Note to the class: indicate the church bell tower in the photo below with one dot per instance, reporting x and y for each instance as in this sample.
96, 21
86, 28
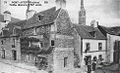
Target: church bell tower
82, 14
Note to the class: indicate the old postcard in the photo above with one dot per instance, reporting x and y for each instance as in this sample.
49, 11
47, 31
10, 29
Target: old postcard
59, 36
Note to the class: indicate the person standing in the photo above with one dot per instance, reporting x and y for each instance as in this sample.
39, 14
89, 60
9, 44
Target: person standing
89, 66
93, 65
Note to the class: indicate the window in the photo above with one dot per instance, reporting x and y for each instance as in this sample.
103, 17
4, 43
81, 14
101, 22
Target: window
87, 47
52, 42
92, 33
2, 42
40, 17
14, 54
100, 58
14, 41
65, 61
99, 46
41, 44
3, 53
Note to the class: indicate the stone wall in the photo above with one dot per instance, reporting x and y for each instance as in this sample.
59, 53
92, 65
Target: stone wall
78, 48
64, 43
59, 55
7, 46
63, 23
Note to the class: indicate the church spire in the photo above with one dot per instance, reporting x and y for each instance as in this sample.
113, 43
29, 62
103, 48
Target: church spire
28, 8
82, 4
82, 14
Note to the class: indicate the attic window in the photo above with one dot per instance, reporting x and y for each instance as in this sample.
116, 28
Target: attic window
40, 17
92, 33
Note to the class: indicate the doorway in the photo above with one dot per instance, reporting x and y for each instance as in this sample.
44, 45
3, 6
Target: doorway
14, 54
87, 59
3, 53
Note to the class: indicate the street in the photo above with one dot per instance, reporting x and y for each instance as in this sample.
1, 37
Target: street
9, 68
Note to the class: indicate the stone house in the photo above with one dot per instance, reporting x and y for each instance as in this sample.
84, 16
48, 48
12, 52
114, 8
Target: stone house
52, 29
10, 43
45, 40
90, 44
6, 42
113, 43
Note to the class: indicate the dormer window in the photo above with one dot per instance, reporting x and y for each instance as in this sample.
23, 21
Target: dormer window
92, 33
40, 17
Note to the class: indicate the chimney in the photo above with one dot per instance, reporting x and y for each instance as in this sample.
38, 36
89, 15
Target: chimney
7, 16
94, 23
60, 4
97, 23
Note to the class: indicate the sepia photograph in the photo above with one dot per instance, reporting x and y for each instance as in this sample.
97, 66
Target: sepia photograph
59, 36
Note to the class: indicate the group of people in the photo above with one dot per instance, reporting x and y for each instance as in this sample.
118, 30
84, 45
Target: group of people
92, 64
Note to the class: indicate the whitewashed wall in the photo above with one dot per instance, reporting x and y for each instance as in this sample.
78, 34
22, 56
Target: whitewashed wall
94, 51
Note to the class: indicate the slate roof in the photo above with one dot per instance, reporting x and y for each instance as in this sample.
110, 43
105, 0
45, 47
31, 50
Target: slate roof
49, 16
11, 26
84, 32
110, 30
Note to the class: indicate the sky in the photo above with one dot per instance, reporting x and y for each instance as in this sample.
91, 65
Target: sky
107, 12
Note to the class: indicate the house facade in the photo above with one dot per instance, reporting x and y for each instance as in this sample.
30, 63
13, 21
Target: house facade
113, 39
10, 43
56, 40
92, 44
